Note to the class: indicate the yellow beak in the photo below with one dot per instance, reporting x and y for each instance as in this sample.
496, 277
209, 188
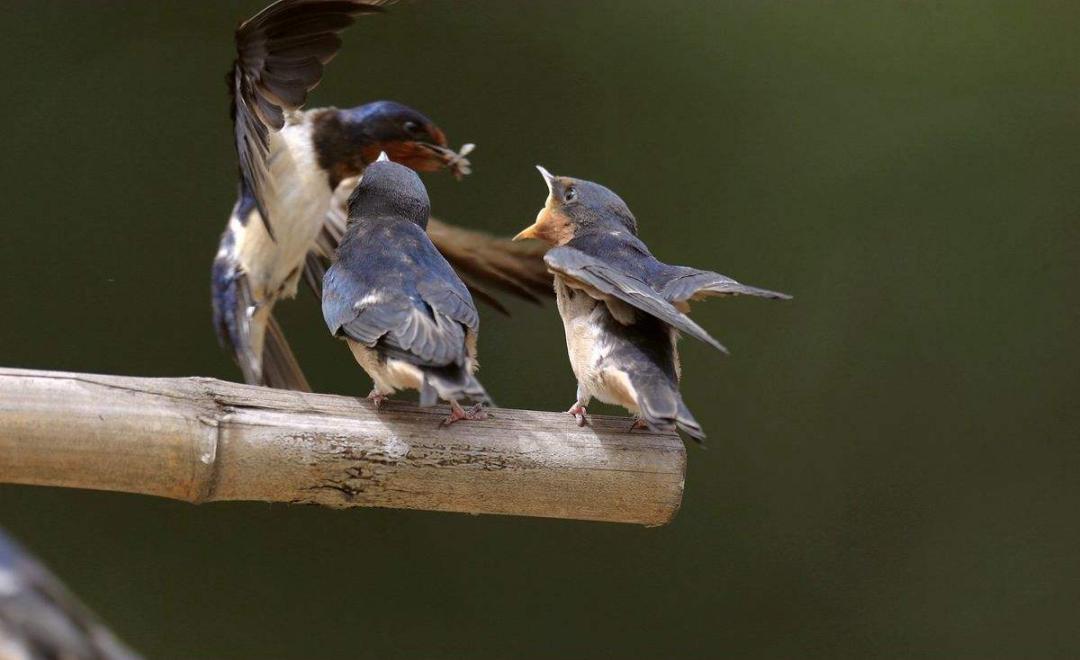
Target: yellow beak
529, 232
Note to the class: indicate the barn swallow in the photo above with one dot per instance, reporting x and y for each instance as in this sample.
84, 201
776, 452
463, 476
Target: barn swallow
622, 309
287, 220
40, 618
407, 317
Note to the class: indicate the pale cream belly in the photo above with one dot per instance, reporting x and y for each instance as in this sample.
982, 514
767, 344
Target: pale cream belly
389, 375
587, 350
298, 200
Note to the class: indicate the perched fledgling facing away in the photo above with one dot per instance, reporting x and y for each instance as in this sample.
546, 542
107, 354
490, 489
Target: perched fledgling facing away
621, 308
407, 317
285, 224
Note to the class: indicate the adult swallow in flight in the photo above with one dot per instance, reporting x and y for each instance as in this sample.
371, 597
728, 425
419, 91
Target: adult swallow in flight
407, 317
622, 309
40, 618
287, 221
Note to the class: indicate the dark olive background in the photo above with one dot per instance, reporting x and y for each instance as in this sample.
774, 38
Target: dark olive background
894, 454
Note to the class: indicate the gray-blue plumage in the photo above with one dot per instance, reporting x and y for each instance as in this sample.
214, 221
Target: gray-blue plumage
621, 307
626, 261
617, 274
645, 351
263, 353
392, 291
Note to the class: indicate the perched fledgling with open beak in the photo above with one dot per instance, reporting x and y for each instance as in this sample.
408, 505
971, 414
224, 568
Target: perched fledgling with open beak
287, 220
407, 317
622, 309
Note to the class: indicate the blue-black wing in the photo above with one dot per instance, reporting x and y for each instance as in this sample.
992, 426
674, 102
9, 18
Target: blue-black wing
682, 283
624, 280
280, 53
399, 295
487, 264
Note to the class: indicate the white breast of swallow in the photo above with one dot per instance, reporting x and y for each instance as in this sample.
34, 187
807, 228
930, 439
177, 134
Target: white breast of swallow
582, 317
297, 200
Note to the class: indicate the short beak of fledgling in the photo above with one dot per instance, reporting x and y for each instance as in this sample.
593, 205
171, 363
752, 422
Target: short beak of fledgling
536, 229
528, 232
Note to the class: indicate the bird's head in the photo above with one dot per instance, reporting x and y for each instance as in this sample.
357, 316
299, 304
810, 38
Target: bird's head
390, 190
346, 141
407, 136
574, 207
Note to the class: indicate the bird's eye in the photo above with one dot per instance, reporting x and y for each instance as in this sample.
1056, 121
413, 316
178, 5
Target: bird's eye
412, 126
570, 194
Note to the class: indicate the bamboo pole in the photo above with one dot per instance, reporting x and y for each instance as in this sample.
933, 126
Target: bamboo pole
204, 440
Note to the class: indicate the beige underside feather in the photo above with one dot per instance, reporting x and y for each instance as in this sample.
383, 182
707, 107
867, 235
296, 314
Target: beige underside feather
581, 314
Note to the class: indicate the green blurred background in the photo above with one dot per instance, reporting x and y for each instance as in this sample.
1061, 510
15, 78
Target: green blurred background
894, 454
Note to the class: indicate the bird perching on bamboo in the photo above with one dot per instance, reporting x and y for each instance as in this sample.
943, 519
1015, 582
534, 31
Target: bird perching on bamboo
622, 309
287, 221
406, 316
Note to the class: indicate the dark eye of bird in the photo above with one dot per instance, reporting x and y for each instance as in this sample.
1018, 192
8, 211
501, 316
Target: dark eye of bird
570, 194
412, 127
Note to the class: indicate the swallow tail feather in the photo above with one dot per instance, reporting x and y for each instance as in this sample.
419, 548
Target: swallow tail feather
451, 383
280, 368
684, 283
662, 407
230, 297
253, 337
685, 421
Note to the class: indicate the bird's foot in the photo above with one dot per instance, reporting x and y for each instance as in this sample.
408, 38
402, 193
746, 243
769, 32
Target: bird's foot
476, 413
638, 424
579, 412
457, 413
377, 398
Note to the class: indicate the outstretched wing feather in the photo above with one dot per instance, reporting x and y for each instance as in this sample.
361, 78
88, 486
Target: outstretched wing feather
683, 283
280, 53
603, 280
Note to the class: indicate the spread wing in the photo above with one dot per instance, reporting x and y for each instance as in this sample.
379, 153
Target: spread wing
604, 282
485, 263
683, 283
423, 322
280, 53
